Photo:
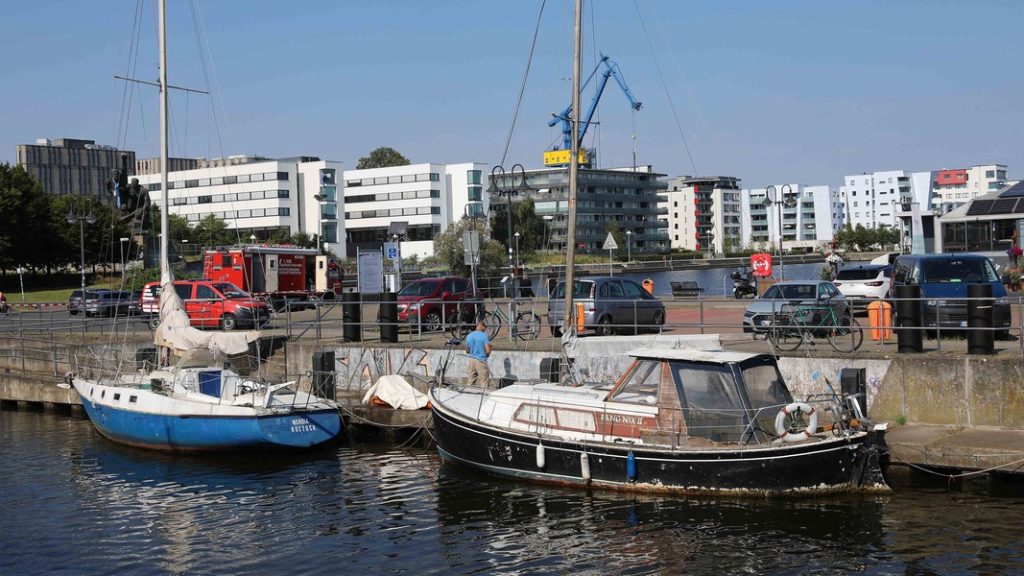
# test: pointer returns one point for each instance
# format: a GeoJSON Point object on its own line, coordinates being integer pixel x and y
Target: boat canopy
{"type": "Point", "coordinates": [691, 355]}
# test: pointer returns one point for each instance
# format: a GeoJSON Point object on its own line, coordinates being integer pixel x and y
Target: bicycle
{"type": "Point", "coordinates": [465, 319]}
{"type": "Point", "coordinates": [526, 326]}
{"type": "Point", "coordinates": [796, 324]}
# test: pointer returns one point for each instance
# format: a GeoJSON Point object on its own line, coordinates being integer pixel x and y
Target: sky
{"type": "Point", "coordinates": [804, 91]}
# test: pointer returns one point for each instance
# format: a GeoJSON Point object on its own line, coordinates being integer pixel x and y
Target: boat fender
{"type": "Point", "coordinates": [631, 467]}
{"type": "Point", "coordinates": [540, 456]}
{"type": "Point", "coordinates": [780, 422]}
{"type": "Point", "coordinates": [585, 466]}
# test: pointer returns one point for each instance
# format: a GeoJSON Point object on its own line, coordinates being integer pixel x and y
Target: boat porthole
{"type": "Point", "coordinates": [103, 393]}
{"type": "Point", "coordinates": [133, 398]}
{"type": "Point", "coordinates": [117, 396]}
{"type": "Point", "coordinates": [91, 390]}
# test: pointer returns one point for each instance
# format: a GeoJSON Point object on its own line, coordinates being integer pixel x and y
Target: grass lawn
{"type": "Point", "coordinates": [40, 290]}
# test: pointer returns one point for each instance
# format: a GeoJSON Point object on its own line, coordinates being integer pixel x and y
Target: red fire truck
{"type": "Point", "coordinates": [282, 273]}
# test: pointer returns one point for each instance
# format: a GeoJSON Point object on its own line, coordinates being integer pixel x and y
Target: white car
{"type": "Point", "coordinates": [864, 283]}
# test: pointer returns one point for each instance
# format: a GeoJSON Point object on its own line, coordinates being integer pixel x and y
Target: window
{"type": "Point", "coordinates": [205, 199]}
{"type": "Point", "coordinates": [473, 176]}
{"type": "Point", "coordinates": [641, 386]}
{"type": "Point", "coordinates": [282, 175]}
{"type": "Point", "coordinates": [990, 173]}
{"type": "Point", "coordinates": [204, 292]}
{"type": "Point", "coordinates": [191, 183]}
{"type": "Point", "coordinates": [476, 192]}
{"type": "Point", "coordinates": [184, 291]}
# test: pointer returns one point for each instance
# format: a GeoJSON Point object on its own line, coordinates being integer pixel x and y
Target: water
{"type": "Point", "coordinates": [715, 281]}
{"type": "Point", "coordinates": [71, 502]}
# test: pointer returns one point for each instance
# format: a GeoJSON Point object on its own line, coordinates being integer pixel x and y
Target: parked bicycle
{"type": "Point", "coordinates": [525, 327]}
{"type": "Point", "coordinates": [799, 324]}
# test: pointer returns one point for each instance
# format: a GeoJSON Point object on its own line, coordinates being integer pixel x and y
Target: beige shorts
{"type": "Point", "coordinates": [478, 373]}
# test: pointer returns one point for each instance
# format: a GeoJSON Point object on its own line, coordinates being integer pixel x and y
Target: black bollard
{"type": "Point", "coordinates": [351, 317]}
{"type": "Point", "coordinates": [980, 337]}
{"type": "Point", "coordinates": [389, 317]}
{"type": "Point", "coordinates": [908, 314]}
{"type": "Point", "coordinates": [323, 375]}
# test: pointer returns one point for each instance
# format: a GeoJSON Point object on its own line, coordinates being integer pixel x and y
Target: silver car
{"type": "Point", "coordinates": [609, 305]}
{"type": "Point", "coordinates": [758, 316]}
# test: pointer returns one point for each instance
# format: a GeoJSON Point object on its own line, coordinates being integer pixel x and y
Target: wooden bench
{"type": "Point", "coordinates": [685, 289]}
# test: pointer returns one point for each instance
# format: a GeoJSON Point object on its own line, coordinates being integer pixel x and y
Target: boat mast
{"type": "Point", "coordinates": [164, 261]}
{"type": "Point", "coordinates": [574, 168]}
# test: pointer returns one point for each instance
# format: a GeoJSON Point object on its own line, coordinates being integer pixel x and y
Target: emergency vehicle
{"type": "Point", "coordinates": [280, 273]}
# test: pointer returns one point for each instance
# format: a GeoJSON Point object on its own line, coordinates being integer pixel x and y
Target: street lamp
{"type": "Point", "coordinates": [629, 245]}
{"type": "Point", "coordinates": [499, 172]}
{"type": "Point", "coordinates": [771, 196]}
{"type": "Point", "coordinates": [82, 221]}
{"type": "Point", "coordinates": [320, 198]}
{"type": "Point", "coordinates": [547, 229]}
{"type": "Point", "coordinates": [252, 239]}
{"type": "Point", "coordinates": [519, 259]}
{"type": "Point", "coordinates": [123, 240]}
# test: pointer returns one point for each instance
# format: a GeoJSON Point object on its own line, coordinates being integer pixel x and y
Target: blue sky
{"type": "Point", "coordinates": [797, 91]}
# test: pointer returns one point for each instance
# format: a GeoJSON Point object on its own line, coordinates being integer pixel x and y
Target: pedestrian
{"type": "Point", "coordinates": [525, 288]}
{"type": "Point", "coordinates": [479, 347]}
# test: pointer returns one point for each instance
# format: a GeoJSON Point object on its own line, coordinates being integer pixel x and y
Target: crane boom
{"type": "Point", "coordinates": [611, 70]}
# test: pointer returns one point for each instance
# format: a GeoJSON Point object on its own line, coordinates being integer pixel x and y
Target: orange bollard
{"type": "Point", "coordinates": [880, 320]}
{"type": "Point", "coordinates": [648, 285]}
{"type": "Point", "coordinates": [579, 318]}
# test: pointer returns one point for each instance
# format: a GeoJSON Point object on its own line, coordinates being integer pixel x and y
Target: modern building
{"type": "Point", "coordinates": [427, 197]}
{"type": "Point", "coordinates": [810, 216]}
{"type": "Point", "coordinates": [152, 165]}
{"type": "Point", "coordinates": [258, 197]}
{"type": "Point", "coordinates": [71, 166]}
{"type": "Point", "coordinates": [632, 198]}
{"type": "Point", "coordinates": [988, 223]}
{"type": "Point", "coordinates": [704, 213]}
{"type": "Point", "coordinates": [955, 187]}
{"type": "Point", "coordinates": [871, 200]}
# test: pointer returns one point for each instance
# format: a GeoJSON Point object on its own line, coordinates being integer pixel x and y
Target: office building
{"type": "Point", "coordinates": [71, 166]}
{"type": "Point", "coordinates": [810, 217]}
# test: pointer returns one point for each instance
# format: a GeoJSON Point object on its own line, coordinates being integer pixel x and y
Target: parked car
{"type": "Point", "coordinates": [609, 304]}
{"type": "Point", "coordinates": [758, 315]}
{"type": "Point", "coordinates": [943, 279]}
{"type": "Point", "coordinates": [209, 304]}
{"type": "Point", "coordinates": [76, 303]}
{"type": "Point", "coordinates": [864, 283]}
{"type": "Point", "coordinates": [430, 302]}
{"type": "Point", "coordinates": [106, 303]}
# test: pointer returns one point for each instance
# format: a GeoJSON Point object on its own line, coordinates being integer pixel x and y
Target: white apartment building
{"type": "Point", "coordinates": [954, 187]}
{"type": "Point", "coordinates": [259, 197]}
{"type": "Point", "coordinates": [428, 197]}
{"type": "Point", "coordinates": [703, 213]}
{"type": "Point", "coordinates": [810, 215]}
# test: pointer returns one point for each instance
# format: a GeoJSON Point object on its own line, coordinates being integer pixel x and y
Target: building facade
{"type": "Point", "coordinates": [259, 198]}
{"type": "Point", "coordinates": [955, 187]}
{"type": "Point", "coordinates": [71, 166]}
{"type": "Point", "coordinates": [872, 200]}
{"type": "Point", "coordinates": [428, 197]}
{"type": "Point", "coordinates": [630, 198]}
{"type": "Point", "coordinates": [704, 213]}
{"type": "Point", "coordinates": [810, 216]}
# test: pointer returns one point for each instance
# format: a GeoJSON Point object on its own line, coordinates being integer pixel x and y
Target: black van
{"type": "Point", "coordinates": [943, 279]}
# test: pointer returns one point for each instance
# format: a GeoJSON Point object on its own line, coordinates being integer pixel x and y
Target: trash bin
{"type": "Point", "coordinates": [649, 286]}
{"type": "Point", "coordinates": [880, 320]}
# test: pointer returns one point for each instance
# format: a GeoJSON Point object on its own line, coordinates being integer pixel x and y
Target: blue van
{"type": "Point", "coordinates": [943, 279]}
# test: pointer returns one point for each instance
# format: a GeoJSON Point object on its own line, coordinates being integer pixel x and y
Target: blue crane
{"type": "Point", "coordinates": [611, 69]}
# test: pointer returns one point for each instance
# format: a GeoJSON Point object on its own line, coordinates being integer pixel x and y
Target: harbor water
{"type": "Point", "coordinates": [73, 503]}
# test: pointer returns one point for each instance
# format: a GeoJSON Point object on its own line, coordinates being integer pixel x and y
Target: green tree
{"type": "Point", "coordinates": [449, 250]}
{"type": "Point", "coordinates": [524, 220]}
{"type": "Point", "coordinates": [28, 234]}
{"type": "Point", "coordinates": [382, 158]}
{"type": "Point", "coordinates": [213, 231]}
{"type": "Point", "coordinates": [617, 233]}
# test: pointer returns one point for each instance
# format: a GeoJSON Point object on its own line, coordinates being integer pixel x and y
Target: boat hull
{"type": "Point", "coordinates": [808, 468]}
{"type": "Point", "coordinates": [211, 432]}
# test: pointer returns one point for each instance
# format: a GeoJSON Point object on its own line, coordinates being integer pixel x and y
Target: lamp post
{"type": "Point", "coordinates": [82, 221]}
{"type": "Point", "coordinates": [21, 281]}
{"type": "Point", "coordinates": [629, 246]}
{"type": "Point", "coordinates": [496, 173]}
{"type": "Point", "coordinates": [547, 229]}
{"type": "Point", "coordinates": [519, 259]}
{"type": "Point", "coordinates": [772, 196]}
{"type": "Point", "coordinates": [123, 240]}
{"type": "Point", "coordinates": [320, 198]}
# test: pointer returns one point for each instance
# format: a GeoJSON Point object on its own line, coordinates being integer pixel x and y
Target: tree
{"type": "Point", "coordinates": [449, 250]}
{"type": "Point", "coordinates": [524, 220]}
{"type": "Point", "coordinates": [27, 236]}
{"type": "Point", "coordinates": [382, 158]}
{"type": "Point", "coordinates": [213, 231]}
{"type": "Point", "coordinates": [617, 233]}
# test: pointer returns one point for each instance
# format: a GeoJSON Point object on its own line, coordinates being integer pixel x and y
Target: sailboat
{"type": "Point", "coordinates": [201, 403]}
{"type": "Point", "coordinates": [697, 420]}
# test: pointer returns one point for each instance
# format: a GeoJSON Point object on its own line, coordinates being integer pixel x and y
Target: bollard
{"type": "Point", "coordinates": [980, 337]}
{"type": "Point", "coordinates": [908, 313]}
{"type": "Point", "coordinates": [389, 317]}
{"type": "Point", "coordinates": [323, 385]}
{"type": "Point", "coordinates": [648, 285]}
{"type": "Point", "coordinates": [351, 317]}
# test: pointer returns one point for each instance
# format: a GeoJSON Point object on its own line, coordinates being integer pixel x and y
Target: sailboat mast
{"type": "Point", "coordinates": [164, 259]}
{"type": "Point", "coordinates": [574, 168]}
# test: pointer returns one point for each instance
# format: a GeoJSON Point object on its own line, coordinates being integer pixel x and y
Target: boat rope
{"type": "Point", "coordinates": [522, 84]}
{"type": "Point", "coordinates": [363, 420]}
{"type": "Point", "coordinates": [1017, 463]}
{"type": "Point", "coordinates": [661, 76]}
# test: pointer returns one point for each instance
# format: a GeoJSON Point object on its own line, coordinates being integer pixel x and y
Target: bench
{"type": "Point", "coordinates": [685, 289]}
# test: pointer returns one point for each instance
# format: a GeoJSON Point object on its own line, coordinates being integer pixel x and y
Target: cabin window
{"type": "Point", "coordinates": [534, 414]}
{"type": "Point", "coordinates": [641, 386]}
{"type": "Point", "coordinates": [764, 384]}
{"type": "Point", "coordinates": [133, 398]}
{"type": "Point", "coordinates": [117, 396]}
{"type": "Point", "coordinates": [710, 401]}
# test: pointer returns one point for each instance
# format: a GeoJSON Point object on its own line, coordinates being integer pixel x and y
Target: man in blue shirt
{"type": "Point", "coordinates": [479, 347]}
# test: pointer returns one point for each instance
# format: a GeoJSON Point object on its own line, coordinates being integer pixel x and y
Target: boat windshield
{"type": "Point", "coordinates": [711, 402]}
{"type": "Point", "coordinates": [764, 384]}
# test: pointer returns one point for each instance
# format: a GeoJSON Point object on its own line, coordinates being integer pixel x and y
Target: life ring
{"type": "Point", "coordinates": [780, 422]}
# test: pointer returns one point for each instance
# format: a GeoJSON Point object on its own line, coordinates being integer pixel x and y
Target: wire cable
{"type": "Point", "coordinates": [522, 85]}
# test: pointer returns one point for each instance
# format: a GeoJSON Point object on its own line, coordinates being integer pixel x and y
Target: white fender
{"type": "Point", "coordinates": [585, 466]}
{"type": "Point", "coordinates": [780, 422]}
{"type": "Point", "coordinates": [540, 455]}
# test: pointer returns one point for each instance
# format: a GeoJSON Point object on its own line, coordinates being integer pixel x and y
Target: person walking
{"type": "Point", "coordinates": [479, 347]}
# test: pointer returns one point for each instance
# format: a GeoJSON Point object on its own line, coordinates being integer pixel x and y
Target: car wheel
{"type": "Point", "coordinates": [228, 322]}
{"type": "Point", "coordinates": [605, 327]}
{"type": "Point", "coordinates": [432, 321]}
{"type": "Point", "coordinates": [154, 322]}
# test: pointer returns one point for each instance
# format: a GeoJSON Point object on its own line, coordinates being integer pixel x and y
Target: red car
{"type": "Point", "coordinates": [209, 304]}
{"type": "Point", "coordinates": [432, 302]}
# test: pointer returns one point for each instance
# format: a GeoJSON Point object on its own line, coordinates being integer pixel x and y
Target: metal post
{"type": "Point", "coordinates": [81, 246]}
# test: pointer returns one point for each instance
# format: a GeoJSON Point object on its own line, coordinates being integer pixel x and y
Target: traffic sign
{"type": "Point", "coordinates": [609, 243]}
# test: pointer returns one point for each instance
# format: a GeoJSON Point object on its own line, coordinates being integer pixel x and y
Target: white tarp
{"type": "Point", "coordinates": [396, 392]}
{"type": "Point", "coordinates": [176, 332]}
